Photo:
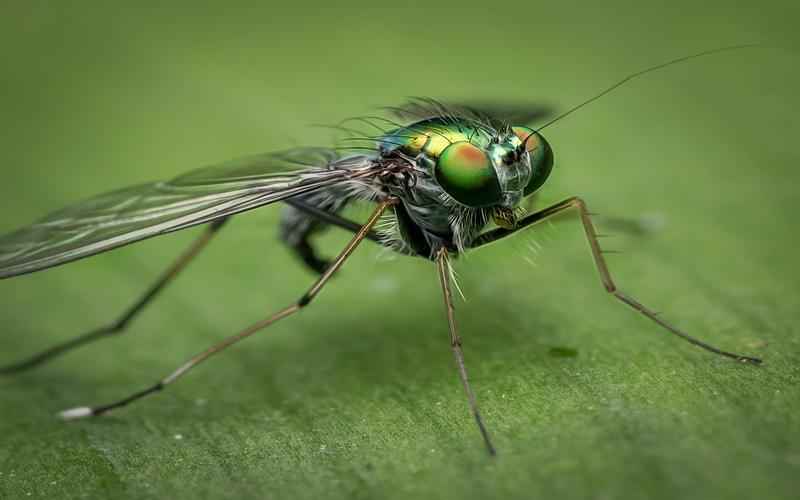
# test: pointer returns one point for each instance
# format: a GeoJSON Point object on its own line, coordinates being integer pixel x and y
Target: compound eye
{"type": "Point", "coordinates": [466, 173]}
{"type": "Point", "coordinates": [527, 134]}
{"type": "Point", "coordinates": [541, 157]}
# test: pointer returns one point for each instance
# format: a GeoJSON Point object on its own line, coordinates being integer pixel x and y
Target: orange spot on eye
{"type": "Point", "coordinates": [533, 143]}
{"type": "Point", "coordinates": [472, 155]}
{"type": "Point", "coordinates": [521, 132]}
{"type": "Point", "coordinates": [526, 134]}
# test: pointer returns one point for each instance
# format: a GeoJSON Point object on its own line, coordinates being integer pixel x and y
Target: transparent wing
{"type": "Point", "coordinates": [497, 113]}
{"type": "Point", "coordinates": [135, 213]}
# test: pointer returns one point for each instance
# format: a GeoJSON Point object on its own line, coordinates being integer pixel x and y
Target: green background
{"type": "Point", "coordinates": [357, 397]}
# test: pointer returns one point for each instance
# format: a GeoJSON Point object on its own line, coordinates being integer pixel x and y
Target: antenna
{"type": "Point", "coordinates": [635, 75]}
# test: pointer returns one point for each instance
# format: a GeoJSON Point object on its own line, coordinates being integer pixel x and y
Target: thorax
{"type": "Point", "coordinates": [428, 138]}
{"type": "Point", "coordinates": [427, 217]}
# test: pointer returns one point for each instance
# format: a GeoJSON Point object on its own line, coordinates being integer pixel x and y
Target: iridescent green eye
{"type": "Point", "coordinates": [541, 157]}
{"type": "Point", "coordinates": [465, 172]}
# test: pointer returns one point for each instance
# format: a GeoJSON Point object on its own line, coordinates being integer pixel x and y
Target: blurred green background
{"type": "Point", "coordinates": [358, 396]}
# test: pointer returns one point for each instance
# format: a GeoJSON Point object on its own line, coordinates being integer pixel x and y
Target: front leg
{"type": "Point", "coordinates": [605, 276]}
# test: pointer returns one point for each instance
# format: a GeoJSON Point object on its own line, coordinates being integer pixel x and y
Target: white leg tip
{"type": "Point", "coordinates": [73, 413]}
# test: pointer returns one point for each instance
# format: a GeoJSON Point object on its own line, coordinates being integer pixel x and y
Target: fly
{"type": "Point", "coordinates": [439, 177]}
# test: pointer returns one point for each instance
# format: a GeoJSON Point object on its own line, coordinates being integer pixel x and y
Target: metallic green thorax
{"type": "Point", "coordinates": [431, 137]}
{"type": "Point", "coordinates": [475, 164]}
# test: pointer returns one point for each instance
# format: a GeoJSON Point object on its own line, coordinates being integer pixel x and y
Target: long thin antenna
{"type": "Point", "coordinates": [637, 74]}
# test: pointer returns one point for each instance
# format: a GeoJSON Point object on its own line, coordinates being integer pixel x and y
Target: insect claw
{"type": "Point", "coordinates": [76, 413]}
{"type": "Point", "coordinates": [749, 360]}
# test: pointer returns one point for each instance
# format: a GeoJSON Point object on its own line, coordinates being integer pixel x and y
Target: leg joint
{"type": "Point", "coordinates": [304, 300]}
{"type": "Point", "coordinates": [218, 223]}
{"type": "Point", "coordinates": [118, 326]}
{"type": "Point", "coordinates": [577, 201]}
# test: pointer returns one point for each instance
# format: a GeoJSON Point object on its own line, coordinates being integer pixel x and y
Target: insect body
{"type": "Point", "coordinates": [442, 178]}
{"type": "Point", "coordinates": [465, 173]}
{"type": "Point", "coordinates": [469, 164]}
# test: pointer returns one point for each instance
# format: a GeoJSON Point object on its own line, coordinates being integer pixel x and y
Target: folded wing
{"type": "Point", "coordinates": [135, 213]}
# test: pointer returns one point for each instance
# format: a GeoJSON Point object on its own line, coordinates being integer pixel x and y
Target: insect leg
{"type": "Point", "coordinates": [122, 322]}
{"type": "Point", "coordinates": [443, 266]}
{"type": "Point", "coordinates": [605, 276]}
{"type": "Point", "coordinates": [303, 218]}
{"type": "Point", "coordinates": [305, 299]}
{"type": "Point", "coordinates": [331, 218]}
{"type": "Point", "coordinates": [633, 226]}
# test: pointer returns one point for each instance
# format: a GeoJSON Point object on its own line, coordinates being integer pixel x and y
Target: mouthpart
{"type": "Point", "coordinates": [504, 217]}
